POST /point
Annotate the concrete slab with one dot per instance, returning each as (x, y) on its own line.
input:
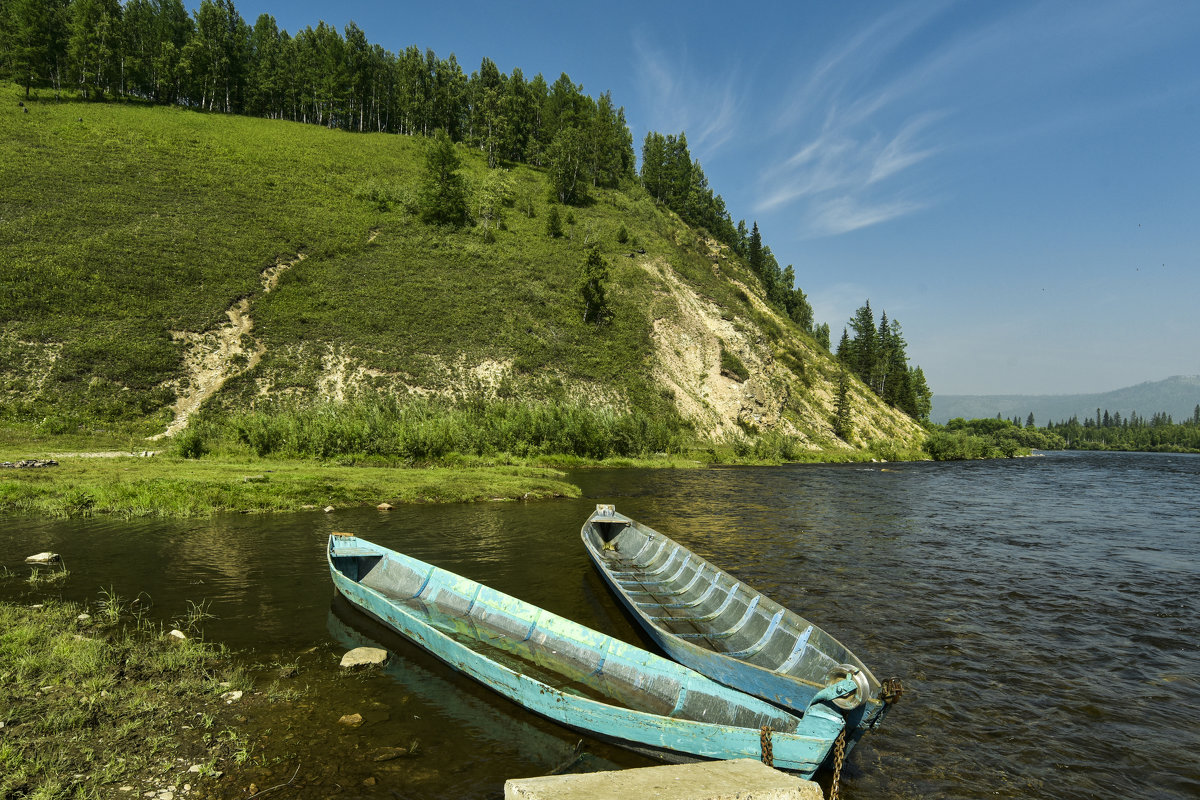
(742, 779)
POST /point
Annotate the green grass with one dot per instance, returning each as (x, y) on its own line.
(141, 220)
(88, 705)
(170, 487)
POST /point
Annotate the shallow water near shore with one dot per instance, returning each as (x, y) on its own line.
(1043, 613)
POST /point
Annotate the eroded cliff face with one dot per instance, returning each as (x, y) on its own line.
(791, 385)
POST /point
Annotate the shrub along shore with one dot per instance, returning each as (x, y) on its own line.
(367, 452)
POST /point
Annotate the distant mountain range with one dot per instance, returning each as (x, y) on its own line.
(1177, 395)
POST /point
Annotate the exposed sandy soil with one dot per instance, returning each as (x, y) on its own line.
(687, 343)
(215, 356)
(211, 358)
(270, 275)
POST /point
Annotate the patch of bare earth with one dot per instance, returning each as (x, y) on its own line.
(688, 339)
(688, 332)
(211, 358)
(270, 275)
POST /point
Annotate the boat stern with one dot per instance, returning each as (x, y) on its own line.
(351, 557)
(604, 526)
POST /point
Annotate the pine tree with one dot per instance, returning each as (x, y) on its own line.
(883, 357)
(845, 349)
(554, 227)
(841, 413)
(896, 385)
(821, 334)
(443, 195)
(653, 157)
(754, 250)
(864, 346)
(591, 287)
(742, 241)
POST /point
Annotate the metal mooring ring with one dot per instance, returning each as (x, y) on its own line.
(851, 701)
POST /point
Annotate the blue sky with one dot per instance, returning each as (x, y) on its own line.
(1018, 183)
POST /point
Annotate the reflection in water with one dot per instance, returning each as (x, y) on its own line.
(1044, 613)
(489, 725)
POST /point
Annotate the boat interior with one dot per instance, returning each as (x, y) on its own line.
(685, 596)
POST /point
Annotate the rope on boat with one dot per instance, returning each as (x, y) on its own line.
(764, 738)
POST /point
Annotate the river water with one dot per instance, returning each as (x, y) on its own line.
(1043, 614)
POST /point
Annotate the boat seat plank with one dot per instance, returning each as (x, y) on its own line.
(359, 552)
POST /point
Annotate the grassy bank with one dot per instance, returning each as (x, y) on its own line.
(173, 487)
(168, 485)
(91, 704)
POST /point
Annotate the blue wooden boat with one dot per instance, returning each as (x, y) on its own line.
(575, 675)
(488, 723)
(712, 622)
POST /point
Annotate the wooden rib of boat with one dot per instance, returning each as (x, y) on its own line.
(712, 622)
(573, 674)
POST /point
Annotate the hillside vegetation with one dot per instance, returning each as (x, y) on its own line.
(278, 277)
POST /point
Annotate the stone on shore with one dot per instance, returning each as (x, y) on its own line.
(364, 657)
(741, 779)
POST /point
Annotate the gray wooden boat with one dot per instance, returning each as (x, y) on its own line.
(712, 622)
(575, 675)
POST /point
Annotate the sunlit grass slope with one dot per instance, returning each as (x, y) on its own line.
(119, 224)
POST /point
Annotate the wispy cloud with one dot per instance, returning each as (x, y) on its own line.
(839, 170)
(683, 100)
(844, 214)
(860, 131)
(841, 173)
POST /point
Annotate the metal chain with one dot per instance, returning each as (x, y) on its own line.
(764, 738)
(891, 691)
(839, 758)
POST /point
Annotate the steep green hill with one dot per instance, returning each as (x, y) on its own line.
(154, 261)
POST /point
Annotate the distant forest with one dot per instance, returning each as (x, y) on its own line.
(154, 51)
(1108, 431)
